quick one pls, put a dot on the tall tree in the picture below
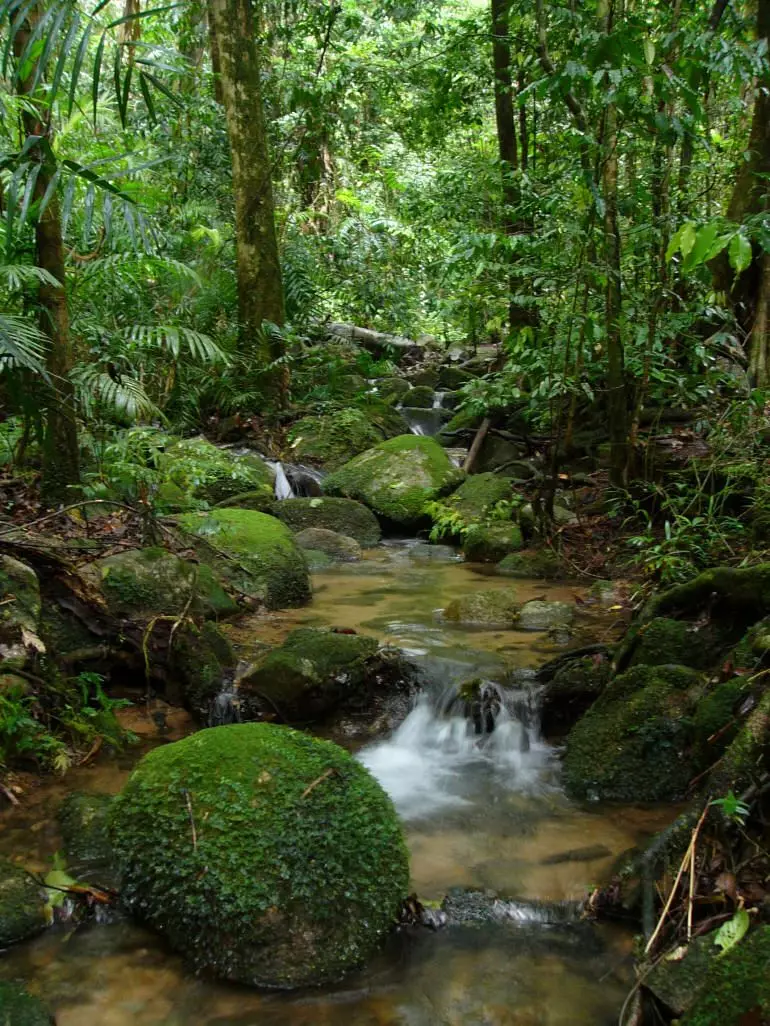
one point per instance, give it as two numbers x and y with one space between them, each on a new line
260 290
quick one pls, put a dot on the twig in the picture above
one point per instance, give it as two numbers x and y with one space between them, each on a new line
9 795
326 773
192 820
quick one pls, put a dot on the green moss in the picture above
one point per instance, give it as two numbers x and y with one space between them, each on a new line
263 560
752 651
206 473
573 689
737 986
332 439
297 866
396 478
478 494
493 607
83 823
451 378
419 398
140 583
427 377
22 905
463 421
312 673
344 515
635 743
662 641
538 563
200 657
338 546
744 761
20 1008
392 389
260 500
489 543
388 421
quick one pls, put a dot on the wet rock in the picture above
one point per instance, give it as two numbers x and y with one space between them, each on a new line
572 690
264 855
460 428
424 553
478 495
82 821
539 615
427 377
312 673
20 1008
497 451
419 398
537 563
19 611
490 543
452 378
201 658
140 583
338 547
396 478
194 468
498 608
344 515
676 983
333 439
254 553
392 390
606 593
22 905
736 988
663 640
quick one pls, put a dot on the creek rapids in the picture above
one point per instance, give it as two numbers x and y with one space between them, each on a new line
481 812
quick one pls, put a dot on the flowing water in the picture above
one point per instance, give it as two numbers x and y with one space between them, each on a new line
478 791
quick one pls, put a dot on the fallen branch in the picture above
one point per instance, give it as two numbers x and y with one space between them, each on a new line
326 773
368 338
473 452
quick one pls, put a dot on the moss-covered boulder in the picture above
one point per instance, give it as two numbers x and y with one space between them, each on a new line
201 657
427 377
20 1008
255 553
330 440
492 608
498 452
736 987
571 691
452 378
388 421
196 468
492 542
22 905
753 650
391 390
642 739
338 547
82 820
663 640
140 583
537 563
541 615
264 855
344 515
418 398
461 427
477 496
19 610
396 478
312 673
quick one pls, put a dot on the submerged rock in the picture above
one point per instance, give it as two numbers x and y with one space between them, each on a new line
22 905
264 855
255 553
344 515
20 1008
310 674
338 547
82 820
539 615
497 607
396 478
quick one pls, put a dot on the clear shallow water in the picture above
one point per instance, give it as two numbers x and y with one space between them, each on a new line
484 813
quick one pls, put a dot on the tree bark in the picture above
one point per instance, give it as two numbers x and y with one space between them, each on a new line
61 456
260 289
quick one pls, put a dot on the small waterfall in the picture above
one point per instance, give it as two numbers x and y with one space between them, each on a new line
438 400
283 489
450 742
295 480
423 421
225 707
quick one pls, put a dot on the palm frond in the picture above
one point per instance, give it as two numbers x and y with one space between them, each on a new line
18 276
121 394
21 345
171 337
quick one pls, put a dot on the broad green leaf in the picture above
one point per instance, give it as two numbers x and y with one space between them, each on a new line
649 51
730 933
687 240
739 253
704 240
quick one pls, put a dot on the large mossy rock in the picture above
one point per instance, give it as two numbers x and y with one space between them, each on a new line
20 1008
344 515
419 398
22 905
254 552
391 390
736 988
572 690
492 542
477 495
332 439
493 608
194 468
396 478
19 610
532 563
265 856
140 583
664 641
646 736
338 547
310 674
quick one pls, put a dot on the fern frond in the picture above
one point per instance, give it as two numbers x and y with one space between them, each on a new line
19 275
171 337
124 395
21 345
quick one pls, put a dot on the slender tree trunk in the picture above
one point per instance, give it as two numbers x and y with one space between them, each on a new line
260 290
61 457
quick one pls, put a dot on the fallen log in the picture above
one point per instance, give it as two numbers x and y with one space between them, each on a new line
368 338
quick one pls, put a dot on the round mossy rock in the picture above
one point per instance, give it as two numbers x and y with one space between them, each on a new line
538 563
344 515
19 1008
489 543
497 607
195 469
22 905
82 820
419 398
253 552
337 546
478 494
396 478
332 439
266 856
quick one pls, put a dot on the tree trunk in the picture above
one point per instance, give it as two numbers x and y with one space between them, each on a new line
617 399
507 143
747 292
61 457
260 290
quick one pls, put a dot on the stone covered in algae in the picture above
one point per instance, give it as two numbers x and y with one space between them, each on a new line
264 855
22 905
493 608
344 515
197 469
20 1008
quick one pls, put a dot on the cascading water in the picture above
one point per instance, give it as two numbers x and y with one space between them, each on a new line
438 400
450 745
283 489
294 480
